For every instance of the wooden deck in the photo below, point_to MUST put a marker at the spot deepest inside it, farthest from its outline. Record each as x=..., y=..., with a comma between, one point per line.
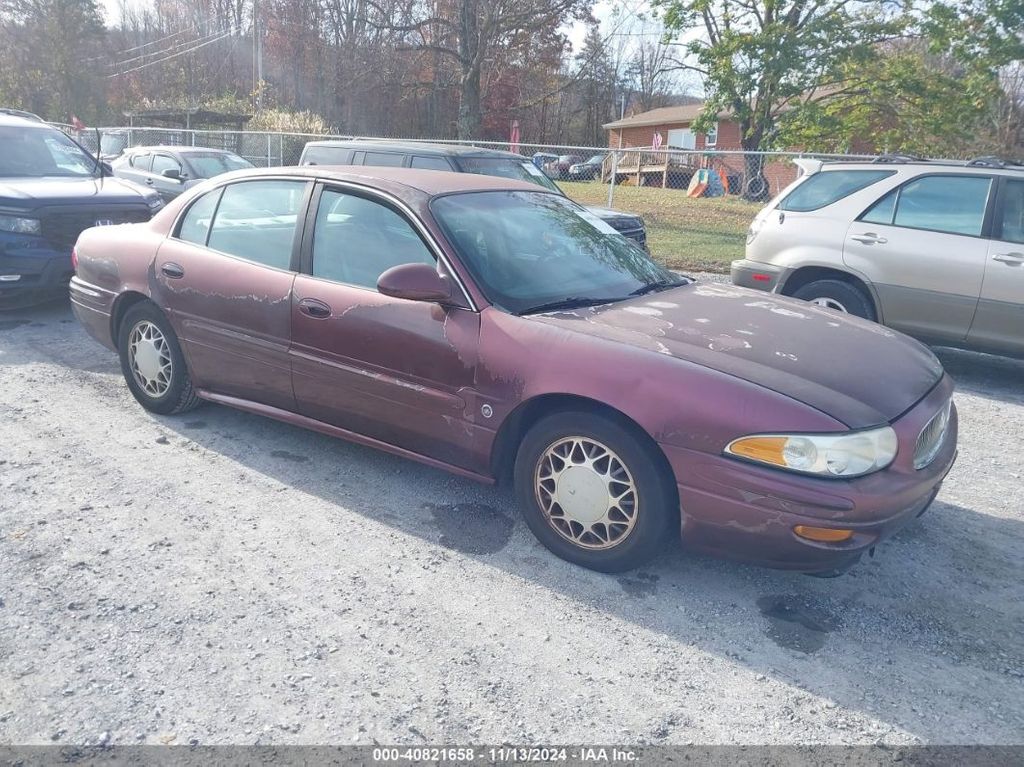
x=645, y=166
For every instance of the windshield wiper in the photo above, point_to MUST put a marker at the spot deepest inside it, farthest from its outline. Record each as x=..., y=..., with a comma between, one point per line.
x=571, y=302
x=658, y=285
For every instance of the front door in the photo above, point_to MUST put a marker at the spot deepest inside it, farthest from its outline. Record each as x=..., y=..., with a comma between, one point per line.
x=999, y=324
x=168, y=187
x=226, y=278
x=921, y=246
x=398, y=371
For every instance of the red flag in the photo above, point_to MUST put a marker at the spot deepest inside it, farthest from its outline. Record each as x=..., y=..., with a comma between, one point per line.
x=656, y=143
x=513, y=139
x=77, y=124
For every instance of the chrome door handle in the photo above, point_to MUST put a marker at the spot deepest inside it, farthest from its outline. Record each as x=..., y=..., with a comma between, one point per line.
x=314, y=308
x=1013, y=259
x=869, y=238
x=172, y=270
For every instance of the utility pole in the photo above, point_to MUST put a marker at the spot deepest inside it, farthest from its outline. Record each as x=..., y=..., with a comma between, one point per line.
x=257, y=64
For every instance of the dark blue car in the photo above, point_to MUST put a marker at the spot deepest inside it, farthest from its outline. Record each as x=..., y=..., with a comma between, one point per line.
x=50, y=191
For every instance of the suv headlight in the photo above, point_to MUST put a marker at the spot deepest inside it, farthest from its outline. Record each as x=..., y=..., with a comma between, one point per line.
x=827, y=455
x=19, y=225
x=155, y=203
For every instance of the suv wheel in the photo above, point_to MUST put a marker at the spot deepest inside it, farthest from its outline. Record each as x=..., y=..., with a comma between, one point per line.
x=591, y=491
x=839, y=295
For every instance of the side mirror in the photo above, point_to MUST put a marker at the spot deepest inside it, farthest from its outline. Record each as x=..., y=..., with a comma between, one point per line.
x=173, y=173
x=415, y=282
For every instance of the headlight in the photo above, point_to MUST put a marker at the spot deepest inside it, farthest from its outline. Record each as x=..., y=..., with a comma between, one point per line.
x=20, y=225
x=827, y=455
x=155, y=203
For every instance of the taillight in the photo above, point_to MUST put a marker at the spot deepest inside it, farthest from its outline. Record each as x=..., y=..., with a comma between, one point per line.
x=74, y=259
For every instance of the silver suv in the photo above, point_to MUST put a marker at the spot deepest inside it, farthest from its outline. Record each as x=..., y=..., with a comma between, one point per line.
x=934, y=249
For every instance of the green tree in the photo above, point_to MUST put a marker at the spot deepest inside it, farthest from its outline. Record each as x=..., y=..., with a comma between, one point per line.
x=51, y=57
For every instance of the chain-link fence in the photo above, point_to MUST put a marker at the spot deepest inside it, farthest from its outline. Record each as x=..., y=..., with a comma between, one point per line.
x=696, y=204
x=695, y=173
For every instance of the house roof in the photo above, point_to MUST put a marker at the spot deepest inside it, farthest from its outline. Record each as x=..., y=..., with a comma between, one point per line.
x=663, y=116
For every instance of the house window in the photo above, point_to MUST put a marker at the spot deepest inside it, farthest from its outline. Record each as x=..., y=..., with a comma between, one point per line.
x=682, y=138
x=711, y=137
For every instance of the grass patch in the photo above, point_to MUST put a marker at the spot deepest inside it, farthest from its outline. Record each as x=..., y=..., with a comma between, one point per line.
x=686, y=233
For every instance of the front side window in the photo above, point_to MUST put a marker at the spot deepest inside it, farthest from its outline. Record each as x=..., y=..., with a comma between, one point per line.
x=256, y=221
x=528, y=249
x=1010, y=220
x=162, y=162
x=356, y=239
x=520, y=170
x=431, y=163
x=950, y=204
x=827, y=187
x=42, y=152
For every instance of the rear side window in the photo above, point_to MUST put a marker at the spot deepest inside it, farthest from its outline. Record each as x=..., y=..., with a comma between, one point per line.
x=195, y=227
x=830, y=186
x=326, y=155
x=385, y=159
x=141, y=161
x=256, y=221
x=950, y=204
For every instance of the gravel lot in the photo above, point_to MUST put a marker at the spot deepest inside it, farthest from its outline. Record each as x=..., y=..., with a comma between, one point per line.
x=221, y=578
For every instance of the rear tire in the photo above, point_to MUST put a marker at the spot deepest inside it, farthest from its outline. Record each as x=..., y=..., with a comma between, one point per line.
x=594, y=492
x=152, y=363
x=839, y=295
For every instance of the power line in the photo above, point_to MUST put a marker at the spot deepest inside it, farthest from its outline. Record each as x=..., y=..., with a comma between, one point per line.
x=170, y=49
x=221, y=36
x=158, y=40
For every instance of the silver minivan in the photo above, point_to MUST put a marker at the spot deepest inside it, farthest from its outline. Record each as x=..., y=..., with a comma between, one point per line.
x=934, y=249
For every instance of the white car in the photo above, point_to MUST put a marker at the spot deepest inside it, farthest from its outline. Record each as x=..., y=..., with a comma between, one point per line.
x=934, y=249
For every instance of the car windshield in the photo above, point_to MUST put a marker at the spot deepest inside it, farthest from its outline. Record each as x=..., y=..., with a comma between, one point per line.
x=507, y=167
x=528, y=250
x=42, y=152
x=210, y=164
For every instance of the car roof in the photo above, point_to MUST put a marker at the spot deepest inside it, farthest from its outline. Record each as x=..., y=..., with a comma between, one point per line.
x=428, y=182
x=15, y=118
x=417, y=147
x=179, y=149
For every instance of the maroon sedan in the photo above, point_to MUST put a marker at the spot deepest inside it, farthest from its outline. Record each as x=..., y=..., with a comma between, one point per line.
x=498, y=330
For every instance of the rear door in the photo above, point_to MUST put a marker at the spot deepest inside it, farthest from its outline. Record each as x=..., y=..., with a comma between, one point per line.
x=999, y=322
x=395, y=370
x=922, y=246
x=225, y=278
x=136, y=167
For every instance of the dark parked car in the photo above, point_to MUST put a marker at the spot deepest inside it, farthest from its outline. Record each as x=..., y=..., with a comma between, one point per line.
x=50, y=190
x=588, y=170
x=496, y=329
x=559, y=168
x=540, y=159
x=173, y=169
x=462, y=159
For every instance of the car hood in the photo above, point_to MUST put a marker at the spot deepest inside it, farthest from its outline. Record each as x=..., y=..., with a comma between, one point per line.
x=857, y=372
x=30, y=192
x=607, y=214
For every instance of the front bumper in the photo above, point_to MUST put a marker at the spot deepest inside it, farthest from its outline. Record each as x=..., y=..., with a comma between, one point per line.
x=753, y=274
x=42, y=271
x=743, y=511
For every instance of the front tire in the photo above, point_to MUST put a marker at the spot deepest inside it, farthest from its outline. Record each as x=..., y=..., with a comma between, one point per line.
x=591, y=490
x=152, y=363
x=839, y=295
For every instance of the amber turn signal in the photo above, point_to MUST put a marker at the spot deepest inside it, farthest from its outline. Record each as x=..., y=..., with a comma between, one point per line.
x=823, y=534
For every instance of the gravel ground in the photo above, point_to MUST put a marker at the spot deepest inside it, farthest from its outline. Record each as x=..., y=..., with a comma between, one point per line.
x=222, y=578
